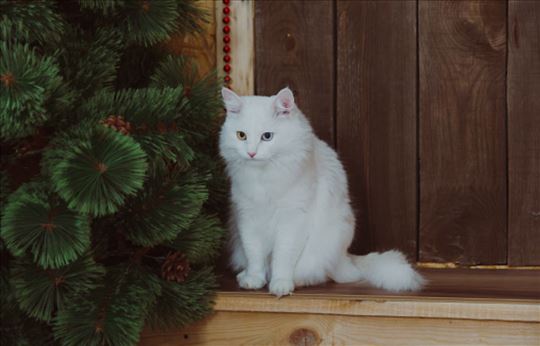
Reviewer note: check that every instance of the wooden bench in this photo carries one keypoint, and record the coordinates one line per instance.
(458, 307)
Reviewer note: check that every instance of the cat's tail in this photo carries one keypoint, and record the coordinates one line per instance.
(387, 270)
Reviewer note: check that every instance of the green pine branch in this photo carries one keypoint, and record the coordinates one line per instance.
(145, 108)
(96, 176)
(32, 22)
(184, 303)
(202, 241)
(38, 221)
(112, 314)
(163, 210)
(40, 292)
(125, 136)
(26, 82)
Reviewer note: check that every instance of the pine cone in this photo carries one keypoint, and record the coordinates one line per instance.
(175, 267)
(118, 123)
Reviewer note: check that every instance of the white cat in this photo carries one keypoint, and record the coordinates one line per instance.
(291, 219)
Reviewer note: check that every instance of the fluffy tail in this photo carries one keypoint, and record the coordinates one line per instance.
(388, 270)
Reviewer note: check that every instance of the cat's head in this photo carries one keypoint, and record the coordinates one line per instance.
(259, 129)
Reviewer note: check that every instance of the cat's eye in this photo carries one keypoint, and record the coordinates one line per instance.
(241, 135)
(267, 136)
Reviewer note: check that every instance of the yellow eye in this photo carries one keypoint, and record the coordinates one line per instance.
(241, 135)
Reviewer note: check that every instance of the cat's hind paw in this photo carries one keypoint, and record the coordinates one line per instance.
(250, 281)
(281, 287)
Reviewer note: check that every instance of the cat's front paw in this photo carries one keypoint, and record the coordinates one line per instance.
(250, 281)
(281, 287)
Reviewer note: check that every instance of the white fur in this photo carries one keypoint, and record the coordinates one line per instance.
(291, 219)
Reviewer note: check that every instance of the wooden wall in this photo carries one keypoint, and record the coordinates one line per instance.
(201, 48)
(523, 132)
(434, 108)
(462, 53)
(294, 47)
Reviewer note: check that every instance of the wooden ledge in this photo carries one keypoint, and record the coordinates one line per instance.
(465, 284)
(382, 307)
(457, 307)
(478, 294)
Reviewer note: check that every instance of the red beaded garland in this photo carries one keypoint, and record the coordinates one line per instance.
(226, 40)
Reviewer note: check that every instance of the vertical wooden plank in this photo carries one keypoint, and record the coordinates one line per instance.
(200, 48)
(376, 120)
(242, 44)
(295, 47)
(462, 131)
(524, 133)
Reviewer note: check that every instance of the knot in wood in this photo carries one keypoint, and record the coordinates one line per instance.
(290, 42)
(304, 337)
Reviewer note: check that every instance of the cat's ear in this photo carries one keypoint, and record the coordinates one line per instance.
(284, 101)
(233, 102)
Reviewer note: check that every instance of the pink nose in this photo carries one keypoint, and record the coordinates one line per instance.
(252, 155)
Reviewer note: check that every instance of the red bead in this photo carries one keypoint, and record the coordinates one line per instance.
(226, 10)
(227, 79)
(226, 39)
(226, 19)
(227, 58)
(226, 2)
(226, 29)
(226, 48)
(227, 68)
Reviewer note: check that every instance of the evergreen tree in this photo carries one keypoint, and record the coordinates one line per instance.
(110, 185)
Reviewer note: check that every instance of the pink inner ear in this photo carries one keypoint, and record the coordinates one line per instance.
(286, 104)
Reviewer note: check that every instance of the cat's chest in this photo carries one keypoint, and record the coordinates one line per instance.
(257, 187)
(271, 189)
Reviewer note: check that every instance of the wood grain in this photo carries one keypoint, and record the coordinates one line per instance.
(376, 120)
(458, 307)
(383, 307)
(462, 52)
(244, 328)
(201, 48)
(242, 45)
(295, 48)
(500, 285)
(524, 133)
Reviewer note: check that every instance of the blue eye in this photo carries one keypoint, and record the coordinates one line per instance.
(267, 136)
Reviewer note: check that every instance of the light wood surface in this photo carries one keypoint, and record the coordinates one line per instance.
(383, 307)
(480, 294)
(242, 45)
(458, 307)
(201, 48)
(242, 328)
